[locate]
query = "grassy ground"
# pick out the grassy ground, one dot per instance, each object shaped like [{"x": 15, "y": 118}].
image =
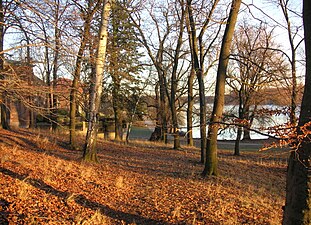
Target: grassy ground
[{"x": 42, "y": 181}]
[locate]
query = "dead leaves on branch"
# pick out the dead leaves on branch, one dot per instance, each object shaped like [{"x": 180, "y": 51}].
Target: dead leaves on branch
[{"x": 289, "y": 136}]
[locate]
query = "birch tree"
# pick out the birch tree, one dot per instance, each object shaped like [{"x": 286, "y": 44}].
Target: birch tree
[{"x": 90, "y": 153}]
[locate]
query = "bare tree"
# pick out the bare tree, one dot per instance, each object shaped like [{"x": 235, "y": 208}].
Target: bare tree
[
  {"x": 256, "y": 67},
  {"x": 198, "y": 53},
  {"x": 174, "y": 81},
  {"x": 4, "y": 111},
  {"x": 211, "y": 161},
  {"x": 87, "y": 16},
  {"x": 6, "y": 9},
  {"x": 155, "y": 47}
]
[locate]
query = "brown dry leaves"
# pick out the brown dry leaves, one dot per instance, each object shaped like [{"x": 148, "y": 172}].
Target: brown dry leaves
[{"x": 43, "y": 182}]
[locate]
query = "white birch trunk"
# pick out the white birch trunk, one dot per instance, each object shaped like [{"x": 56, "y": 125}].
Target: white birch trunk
[{"x": 90, "y": 153}]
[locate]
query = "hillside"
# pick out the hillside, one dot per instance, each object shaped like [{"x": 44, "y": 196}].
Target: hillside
[{"x": 42, "y": 181}]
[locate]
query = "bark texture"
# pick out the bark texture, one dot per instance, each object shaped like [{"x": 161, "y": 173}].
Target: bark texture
[
  {"x": 174, "y": 81},
  {"x": 76, "y": 77},
  {"x": 198, "y": 52},
  {"x": 211, "y": 161},
  {"x": 190, "y": 108},
  {"x": 3, "y": 103},
  {"x": 90, "y": 153},
  {"x": 298, "y": 184},
  {"x": 198, "y": 68}
]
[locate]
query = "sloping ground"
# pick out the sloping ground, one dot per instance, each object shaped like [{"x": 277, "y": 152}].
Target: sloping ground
[{"x": 44, "y": 182}]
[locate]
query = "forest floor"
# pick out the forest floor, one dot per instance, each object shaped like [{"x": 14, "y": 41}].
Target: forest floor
[{"x": 43, "y": 181}]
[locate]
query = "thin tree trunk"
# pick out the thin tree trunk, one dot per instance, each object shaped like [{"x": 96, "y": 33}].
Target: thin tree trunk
[
  {"x": 163, "y": 107},
  {"x": 156, "y": 134},
  {"x": 32, "y": 118},
  {"x": 116, "y": 101},
  {"x": 298, "y": 196},
  {"x": 199, "y": 74},
  {"x": 49, "y": 99},
  {"x": 198, "y": 54},
  {"x": 237, "y": 141},
  {"x": 117, "y": 120},
  {"x": 294, "y": 90},
  {"x": 76, "y": 79},
  {"x": 202, "y": 114},
  {"x": 250, "y": 118},
  {"x": 211, "y": 161},
  {"x": 190, "y": 108},
  {"x": 174, "y": 81},
  {"x": 90, "y": 153},
  {"x": 55, "y": 67},
  {"x": 5, "y": 116},
  {"x": 241, "y": 117}
]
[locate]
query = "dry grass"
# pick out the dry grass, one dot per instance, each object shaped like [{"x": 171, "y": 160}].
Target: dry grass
[{"x": 44, "y": 182}]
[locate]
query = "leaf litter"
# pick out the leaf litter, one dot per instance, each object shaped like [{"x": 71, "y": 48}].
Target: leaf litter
[{"x": 45, "y": 182}]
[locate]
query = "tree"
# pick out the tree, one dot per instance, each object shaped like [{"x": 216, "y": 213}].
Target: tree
[
  {"x": 292, "y": 59},
  {"x": 174, "y": 81},
  {"x": 4, "y": 110},
  {"x": 6, "y": 8},
  {"x": 298, "y": 181},
  {"x": 198, "y": 54},
  {"x": 211, "y": 161},
  {"x": 90, "y": 153},
  {"x": 87, "y": 16},
  {"x": 163, "y": 40},
  {"x": 256, "y": 67},
  {"x": 123, "y": 61},
  {"x": 47, "y": 24},
  {"x": 155, "y": 47}
]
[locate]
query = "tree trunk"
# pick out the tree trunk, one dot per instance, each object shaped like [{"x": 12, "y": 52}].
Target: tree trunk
[
  {"x": 190, "y": 83},
  {"x": 199, "y": 74},
  {"x": 250, "y": 118},
  {"x": 241, "y": 114},
  {"x": 116, "y": 102},
  {"x": 237, "y": 141},
  {"x": 157, "y": 133},
  {"x": 161, "y": 128},
  {"x": 202, "y": 115},
  {"x": 174, "y": 80},
  {"x": 76, "y": 79},
  {"x": 117, "y": 123},
  {"x": 32, "y": 118},
  {"x": 90, "y": 153},
  {"x": 163, "y": 107},
  {"x": 5, "y": 116},
  {"x": 190, "y": 108},
  {"x": 54, "y": 114},
  {"x": 211, "y": 161},
  {"x": 246, "y": 133},
  {"x": 298, "y": 196},
  {"x": 294, "y": 91}
]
